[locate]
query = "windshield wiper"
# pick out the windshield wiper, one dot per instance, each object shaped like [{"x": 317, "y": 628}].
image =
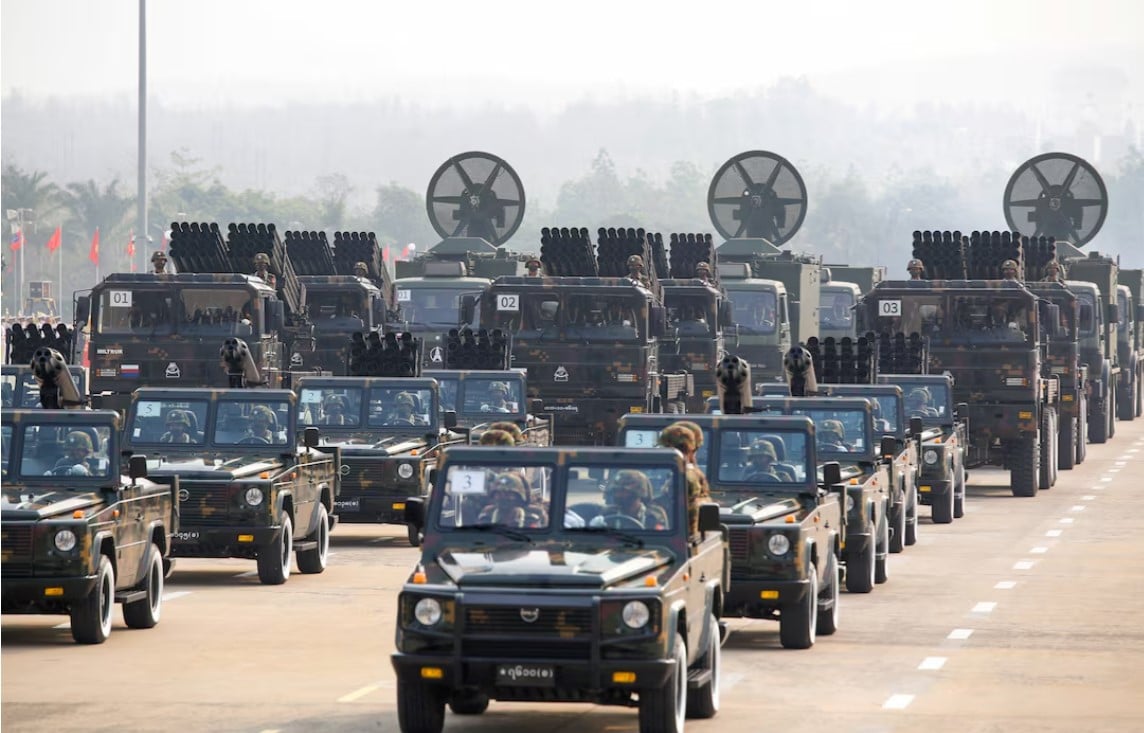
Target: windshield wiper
[
  {"x": 500, "y": 529},
  {"x": 627, "y": 537}
]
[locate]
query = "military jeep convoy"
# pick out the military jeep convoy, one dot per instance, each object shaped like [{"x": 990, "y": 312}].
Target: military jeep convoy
[{"x": 514, "y": 423}]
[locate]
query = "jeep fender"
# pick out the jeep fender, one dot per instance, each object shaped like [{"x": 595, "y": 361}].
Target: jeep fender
[
  {"x": 714, "y": 604},
  {"x": 97, "y": 549},
  {"x": 280, "y": 504},
  {"x": 671, "y": 623},
  {"x": 164, "y": 544}
]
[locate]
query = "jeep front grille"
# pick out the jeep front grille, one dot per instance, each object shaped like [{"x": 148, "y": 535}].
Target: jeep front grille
[
  {"x": 16, "y": 546},
  {"x": 740, "y": 543},
  {"x": 562, "y": 622},
  {"x": 534, "y": 649},
  {"x": 205, "y": 505}
]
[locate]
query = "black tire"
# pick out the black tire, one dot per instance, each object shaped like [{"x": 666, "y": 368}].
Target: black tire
[
  {"x": 1055, "y": 437},
  {"x": 1066, "y": 446},
  {"x": 91, "y": 617},
  {"x": 881, "y": 552},
  {"x": 413, "y": 535},
  {"x": 828, "y": 610},
  {"x": 1044, "y": 470},
  {"x": 1126, "y": 405},
  {"x": 959, "y": 494},
  {"x": 469, "y": 702},
  {"x": 1098, "y": 426},
  {"x": 420, "y": 708},
  {"x": 1139, "y": 406},
  {"x": 703, "y": 701},
  {"x": 912, "y": 519},
  {"x": 798, "y": 622},
  {"x": 1082, "y": 432},
  {"x": 274, "y": 559},
  {"x": 898, "y": 526},
  {"x": 860, "y": 569},
  {"x": 942, "y": 509},
  {"x": 663, "y": 710},
  {"x": 1024, "y": 460},
  {"x": 144, "y": 614},
  {"x": 1111, "y": 409},
  {"x": 314, "y": 561},
  {"x": 168, "y": 567}
]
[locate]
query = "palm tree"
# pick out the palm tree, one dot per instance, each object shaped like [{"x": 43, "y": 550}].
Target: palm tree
[
  {"x": 94, "y": 208},
  {"x": 22, "y": 190}
]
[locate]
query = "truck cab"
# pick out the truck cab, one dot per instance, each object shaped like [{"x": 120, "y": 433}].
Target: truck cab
[
  {"x": 429, "y": 305},
  {"x": 695, "y": 310},
  {"x": 761, "y": 319},
  {"x": 337, "y": 306},
  {"x": 836, "y": 313}
]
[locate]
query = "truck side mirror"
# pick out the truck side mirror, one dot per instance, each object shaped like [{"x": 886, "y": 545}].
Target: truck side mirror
[
  {"x": 415, "y": 512},
  {"x": 137, "y": 467},
  {"x": 311, "y": 437},
  {"x": 708, "y": 517},
  {"x": 468, "y": 308},
  {"x": 916, "y": 426},
  {"x": 831, "y": 474},
  {"x": 1113, "y": 313},
  {"x": 82, "y": 310}
]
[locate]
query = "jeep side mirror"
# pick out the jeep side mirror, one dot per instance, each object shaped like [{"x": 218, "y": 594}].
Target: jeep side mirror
[
  {"x": 889, "y": 446},
  {"x": 415, "y": 512},
  {"x": 916, "y": 427},
  {"x": 1113, "y": 313},
  {"x": 708, "y": 517},
  {"x": 831, "y": 474},
  {"x": 311, "y": 437},
  {"x": 137, "y": 467},
  {"x": 450, "y": 419},
  {"x": 536, "y": 406},
  {"x": 468, "y": 308}
]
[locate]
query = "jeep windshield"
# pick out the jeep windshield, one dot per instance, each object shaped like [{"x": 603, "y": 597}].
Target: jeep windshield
[
  {"x": 168, "y": 422},
  {"x": 649, "y": 438},
  {"x": 74, "y": 450},
  {"x": 402, "y": 408},
  {"x": 927, "y": 400},
  {"x": 755, "y": 310},
  {"x": 254, "y": 422},
  {"x": 588, "y": 317},
  {"x": 486, "y": 496},
  {"x": 749, "y": 458},
  {"x": 492, "y": 396},
  {"x": 840, "y": 434},
  {"x": 335, "y": 407}
]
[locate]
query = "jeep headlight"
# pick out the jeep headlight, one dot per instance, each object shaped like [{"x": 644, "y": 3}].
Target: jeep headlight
[
  {"x": 778, "y": 544},
  {"x": 253, "y": 496},
  {"x": 64, "y": 540},
  {"x": 636, "y": 614},
  {"x": 929, "y": 456},
  {"x": 405, "y": 470},
  {"x": 427, "y": 612},
  {"x": 849, "y": 503}
]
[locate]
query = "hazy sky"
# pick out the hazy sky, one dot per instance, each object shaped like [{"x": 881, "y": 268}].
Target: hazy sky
[{"x": 523, "y": 51}]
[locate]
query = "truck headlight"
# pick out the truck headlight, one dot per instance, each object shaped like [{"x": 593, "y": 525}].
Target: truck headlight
[
  {"x": 427, "y": 612},
  {"x": 849, "y": 503},
  {"x": 253, "y": 496},
  {"x": 636, "y": 614},
  {"x": 64, "y": 540},
  {"x": 778, "y": 544},
  {"x": 930, "y": 456},
  {"x": 405, "y": 470}
]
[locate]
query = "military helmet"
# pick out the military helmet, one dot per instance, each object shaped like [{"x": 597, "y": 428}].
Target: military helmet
[
  {"x": 361, "y": 269},
  {"x": 702, "y": 267},
  {"x": 334, "y": 400},
  {"x": 158, "y": 255},
  {"x": 497, "y": 437},
  {"x": 833, "y": 426},
  {"x": 498, "y": 387},
  {"x": 679, "y": 437},
  {"x": 77, "y": 439},
  {"x": 263, "y": 412},
  {"x": 1009, "y": 265},
  {"x": 404, "y": 398},
  {"x": 695, "y": 430},
  {"x": 533, "y": 262},
  {"x": 178, "y": 417},
  {"x": 511, "y": 428},
  {"x": 631, "y": 481},
  {"x": 635, "y": 260},
  {"x": 918, "y": 394},
  {"x": 262, "y": 259},
  {"x": 915, "y": 264},
  {"x": 511, "y": 483},
  {"x": 762, "y": 448},
  {"x": 1053, "y": 265}
]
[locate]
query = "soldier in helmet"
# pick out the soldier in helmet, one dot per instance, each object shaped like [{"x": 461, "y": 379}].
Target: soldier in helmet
[
  {"x": 76, "y": 460},
  {"x": 1053, "y": 273},
  {"x": 917, "y": 269},
  {"x": 403, "y": 411},
  {"x": 159, "y": 262},
  {"x": 497, "y": 398},
  {"x": 510, "y": 505},
  {"x": 262, "y": 269},
  {"x": 832, "y": 437},
  {"x": 703, "y": 272},
  {"x": 361, "y": 269},
  {"x": 1009, "y": 270},
  {"x": 687, "y": 437},
  {"x": 636, "y": 270},
  {"x": 178, "y": 428},
  {"x": 629, "y": 497},
  {"x": 533, "y": 265},
  {"x": 918, "y": 403},
  {"x": 261, "y": 429},
  {"x": 497, "y": 437},
  {"x": 511, "y": 428},
  {"x": 761, "y": 459},
  {"x": 334, "y": 410}
]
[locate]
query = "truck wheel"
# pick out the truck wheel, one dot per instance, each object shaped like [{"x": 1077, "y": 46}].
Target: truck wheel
[
  {"x": 274, "y": 559},
  {"x": 1024, "y": 460},
  {"x": 898, "y": 527},
  {"x": 413, "y": 535},
  {"x": 472, "y": 702},
  {"x": 314, "y": 561},
  {"x": 828, "y": 599},
  {"x": 91, "y": 617},
  {"x": 881, "y": 554},
  {"x": 420, "y": 708},
  {"x": 860, "y": 569},
  {"x": 1055, "y": 437},
  {"x": 144, "y": 614},
  {"x": 1098, "y": 426},
  {"x": 912, "y": 519},
  {"x": 1111, "y": 409},
  {"x": 1082, "y": 436},
  {"x": 1044, "y": 470},
  {"x": 1126, "y": 405},
  {"x": 1066, "y": 450},
  {"x": 797, "y": 623},
  {"x": 703, "y": 701},
  {"x": 1138, "y": 408},
  {"x": 942, "y": 511},
  {"x": 663, "y": 710}
]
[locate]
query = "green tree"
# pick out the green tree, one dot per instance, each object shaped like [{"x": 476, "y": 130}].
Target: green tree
[
  {"x": 93, "y": 207},
  {"x": 333, "y": 193},
  {"x": 399, "y": 217}
]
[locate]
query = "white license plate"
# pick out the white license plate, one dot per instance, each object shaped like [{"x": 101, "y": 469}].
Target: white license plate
[
  {"x": 187, "y": 536},
  {"x": 347, "y": 505},
  {"x": 526, "y": 675}
]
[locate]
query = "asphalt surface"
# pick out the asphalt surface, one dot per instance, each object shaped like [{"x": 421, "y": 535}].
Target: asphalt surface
[{"x": 1025, "y": 615}]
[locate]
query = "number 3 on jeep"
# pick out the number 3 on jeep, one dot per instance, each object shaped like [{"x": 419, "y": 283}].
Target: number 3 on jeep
[{"x": 890, "y": 308}]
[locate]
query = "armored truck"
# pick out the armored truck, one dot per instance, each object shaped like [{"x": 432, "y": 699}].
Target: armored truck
[
  {"x": 1129, "y": 346},
  {"x": 246, "y": 488},
  {"x": 836, "y": 315},
  {"x": 595, "y": 593},
  {"x": 337, "y": 306},
  {"x": 695, "y": 310},
  {"x": 20, "y": 389},
  {"x": 80, "y": 531},
  {"x": 429, "y": 304}
]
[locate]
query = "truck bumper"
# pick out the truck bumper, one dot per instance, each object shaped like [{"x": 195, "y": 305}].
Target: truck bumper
[
  {"x": 242, "y": 542},
  {"x": 761, "y": 598},
  {"x": 587, "y": 678},
  {"x": 370, "y": 509}
]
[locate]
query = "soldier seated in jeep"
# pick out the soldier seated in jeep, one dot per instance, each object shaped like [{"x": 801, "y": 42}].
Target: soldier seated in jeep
[
  {"x": 77, "y": 459},
  {"x": 403, "y": 411},
  {"x": 629, "y": 504},
  {"x": 497, "y": 398},
  {"x": 510, "y": 504},
  {"x": 832, "y": 437},
  {"x": 178, "y": 424},
  {"x": 335, "y": 411},
  {"x": 761, "y": 460}
]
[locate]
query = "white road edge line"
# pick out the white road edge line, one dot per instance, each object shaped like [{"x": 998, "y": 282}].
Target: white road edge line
[
  {"x": 247, "y": 574},
  {"x": 1006, "y": 585},
  {"x": 897, "y": 702},
  {"x": 984, "y": 607},
  {"x": 932, "y": 663},
  {"x": 960, "y": 634}
]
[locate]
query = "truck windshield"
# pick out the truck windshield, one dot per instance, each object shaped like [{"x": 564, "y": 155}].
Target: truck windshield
[
  {"x": 693, "y": 315},
  {"x": 143, "y": 311},
  {"x": 837, "y": 309},
  {"x": 762, "y": 456},
  {"x": 430, "y": 306},
  {"x": 74, "y": 450},
  {"x": 960, "y": 319},
  {"x": 588, "y": 317},
  {"x": 220, "y": 311},
  {"x": 755, "y": 310},
  {"x": 341, "y": 309}
]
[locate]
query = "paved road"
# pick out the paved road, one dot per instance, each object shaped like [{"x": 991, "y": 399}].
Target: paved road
[{"x": 1023, "y": 616}]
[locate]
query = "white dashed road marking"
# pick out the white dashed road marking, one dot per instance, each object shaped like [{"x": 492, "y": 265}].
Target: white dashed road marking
[
  {"x": 1089, "y": 497},
  {"x": 1054, "y": 533},
  {"x": 984, "y": 607},
  {"x": 897, "y": 702},
  {"x": 1006, "y": 585},
  {"x": 1038, "y": 550},
  {"x": 960, "y": 634},
  {"x": 1067, "y": 520},
  {"x": 1077, "y": 508},
  {"x": 362, "y": 692},
  {"x": 176, "y": 594},
  {"x": 247, "y": 574},
  {"x": 932, "y": 663},
  {"x": 1024, "y": 565}
]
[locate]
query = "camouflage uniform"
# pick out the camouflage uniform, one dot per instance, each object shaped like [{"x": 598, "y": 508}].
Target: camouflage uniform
[
  {"x": 511, "y": 428},
  {"x": 686, "y": 437},
  {"x": 262, "y": 269},
  {"x": 511, "y": 506},
  {"x": 403, "y": 411},
  {"x": 703, "y": 272},
  {"x": 636, "y": 270},
  {"x": 1053, "y": 270},
  {"x": 159, "y": 262},
  {"x": 178, "y": 428},
  {"x": 1009, "y": 270},
  {"x": 497, "y": 437},
  {"x": 263, "y": 414},
  {"x": 534, "y": 267},
  {"x": 334, "y": 410},
  {"x": 361, "y": 269},
  {"x": 832, "y": 435},
  {"x": 917, "y": 401},
  {"x": 639, "y": 507},
  {"x": 761, "y": 458},
  {"x": 79, "y": 450},
  {"x": 498, "y": 394},
  {"x": 917, "y": 269}
]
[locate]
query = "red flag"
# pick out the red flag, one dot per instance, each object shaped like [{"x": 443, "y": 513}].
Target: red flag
[
  {"x": 163, "y": 243},
  {"x": 131, "y": 245},
  {"x": 93, "y": 254},
  {"x": 56, "y": 240},
  {"x": 17, "y": 240}
]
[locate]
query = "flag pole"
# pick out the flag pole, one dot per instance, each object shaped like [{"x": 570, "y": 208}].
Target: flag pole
[
  {"x": 60, "y": 263},
  {"x": 23, "y": 254}
]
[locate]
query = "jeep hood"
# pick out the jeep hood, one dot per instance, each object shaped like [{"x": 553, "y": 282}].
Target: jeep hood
[
  {"x": 29, "y": 505},
  {"x": 199, "y": 469},
  {"x": 588, "y": 567},
  {"x": 759, "y": 509}
]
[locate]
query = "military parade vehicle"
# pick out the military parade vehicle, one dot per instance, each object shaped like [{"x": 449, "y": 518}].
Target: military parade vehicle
[
  {"x": 1063, "y": 359},
  {"x": 479, "y": 397},
  {"x": 865, "y": 277},
  {"x": 589, "y": 331},
  {"x": 475, "y": 203},
  {"x": 1061, "y": 198},
  {"x": 35, "y": 358},
  {"x": 80, "y": 531},
  {"x": 941, "y": 441},
  {"x": 246, "y": 489},
  {"x": 757, "y": 202},
  {"x": 836, "y": 315},
  {"x": 785, "y": 527},
  {"x": 20, "y": 388},
  {"x": 1130, "y": 343},
  {"x": 989, "y": 333},
  {"x": 595, "y": 593}
]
